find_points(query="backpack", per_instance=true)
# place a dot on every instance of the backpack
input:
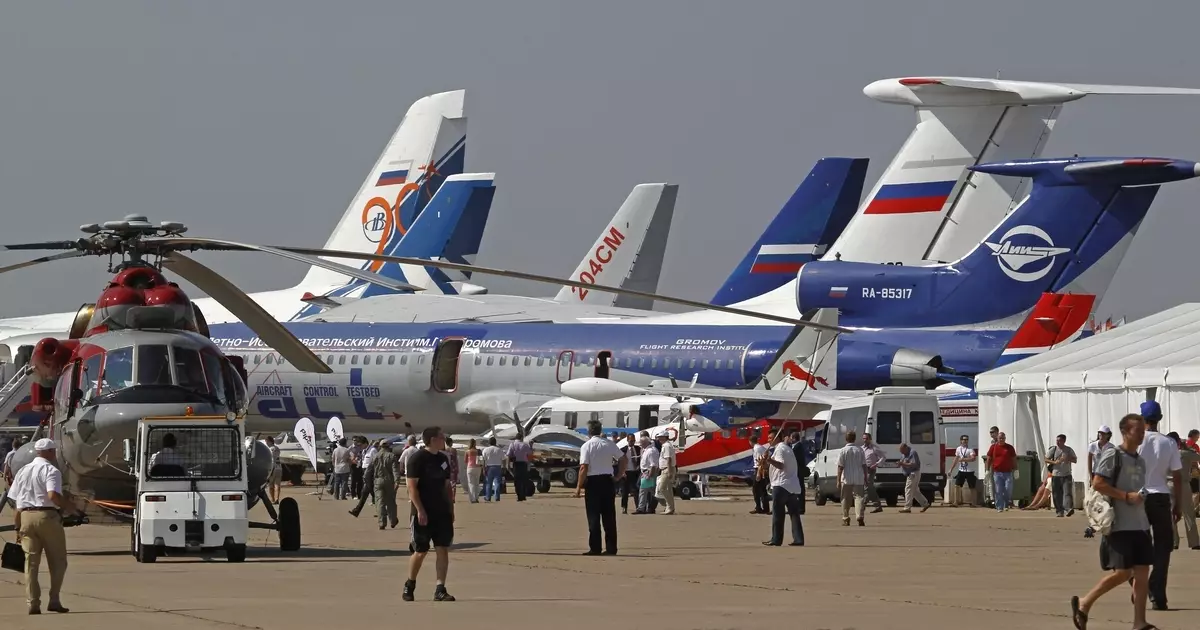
(1099, 508)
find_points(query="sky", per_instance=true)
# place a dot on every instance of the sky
(258, 121)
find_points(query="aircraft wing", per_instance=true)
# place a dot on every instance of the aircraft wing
(738, 396)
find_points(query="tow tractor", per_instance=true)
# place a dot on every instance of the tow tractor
(192, 481)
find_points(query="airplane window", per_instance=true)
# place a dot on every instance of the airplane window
(705, 365)
(329, 359)
(725, 433)
(572, 420)
(541, 361)
(653, 362)
(729, 364)
(118, 370)
(421, 358)
(502, 360)
(90, 374)
(528, 361)
(257, 359)
(354, 359)
(342, 360)
(189, 370)
(489, 360)
(622, 417)
(391, 359)
(692, 364)
(628, 362)
(595, 415)
(478, 359)
(679, 364)
(642, 362)
(379, 359)
(516, 361)
(591, 360)
(404, 359)
(270, 359)
(282, 360)
(153, 366)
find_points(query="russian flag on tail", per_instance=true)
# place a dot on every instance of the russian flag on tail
(393, 177)
(910, 198)
(784, 258)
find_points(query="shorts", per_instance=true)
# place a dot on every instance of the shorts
(439, 532)
(1195, 485)
(276, 475)
(1126, 550)
(965, 477)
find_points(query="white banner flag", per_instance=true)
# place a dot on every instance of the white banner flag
(306, 436)
(333, 430)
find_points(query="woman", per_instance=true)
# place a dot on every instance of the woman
(474, 472)
(1041, 499)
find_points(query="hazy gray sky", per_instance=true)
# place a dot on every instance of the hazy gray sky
(259, 120)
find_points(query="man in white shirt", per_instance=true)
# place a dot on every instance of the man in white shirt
(964, 472)
(38, 495)
(852, 479)
(649, 467)
(493, 470)
(7, 471)
(597, 459)
(410, 447)
(762, 497)
(1095, 450)
(786, 491)
(664, 487)
(342, 465)
(166, 456)
(1161, 455)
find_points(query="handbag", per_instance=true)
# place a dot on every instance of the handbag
(1099, 508)
(13, 558)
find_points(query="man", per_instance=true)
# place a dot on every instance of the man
(410, 447)
(1095, 450)
(762, 497)
(432, 517)
(786, 491)
(384, 476)
(275, 480)
(649, 467)
(632, 457)
(368, 457)
(1126, 551)
(1194, 446)
(342, 465)
(369, 479)
(356, 465)
(518, 455)
(910, 465)
(1190, 460)
(166, 456)
(989, 484)
(852, 479)
(874, 456)
(597, 458)
(1161, 455)
(664, 487)
(1001, 460)
(17, 443)
(493, 470)
(1060, 459)
(38, 495)
(452, 456)
(964, 471)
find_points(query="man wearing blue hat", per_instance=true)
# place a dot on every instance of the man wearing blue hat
(1161, 454)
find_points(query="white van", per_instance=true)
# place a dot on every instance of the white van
(892, 415)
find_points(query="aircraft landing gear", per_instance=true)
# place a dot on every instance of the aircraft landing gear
(286, 521)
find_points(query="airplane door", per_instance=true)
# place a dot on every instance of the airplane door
(445, 364)
(419, 364)
(647, 417)
(566, 364)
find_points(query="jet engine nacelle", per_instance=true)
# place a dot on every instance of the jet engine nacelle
(592, 389)
(867, 365)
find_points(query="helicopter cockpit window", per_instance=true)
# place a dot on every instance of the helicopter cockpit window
(89, 376)
(153, 365)
(118, 370)
(189, 371)
(213, 374)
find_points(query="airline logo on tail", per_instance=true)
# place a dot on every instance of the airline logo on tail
(1013, 258)
(793, 369)
(381, 217)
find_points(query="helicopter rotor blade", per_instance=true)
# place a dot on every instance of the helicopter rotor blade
(16, 247)
(521, 275)
(223, 245)
(254, 316)
(43, 259)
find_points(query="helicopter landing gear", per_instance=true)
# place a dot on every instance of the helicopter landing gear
(286, 521)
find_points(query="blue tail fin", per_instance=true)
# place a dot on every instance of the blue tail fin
(805, 227)
(1077, 209)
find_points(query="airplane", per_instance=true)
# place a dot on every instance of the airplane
(397, 370)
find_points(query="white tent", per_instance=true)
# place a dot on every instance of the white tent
(1074, 389)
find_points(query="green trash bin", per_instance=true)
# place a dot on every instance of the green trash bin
(1026, 479)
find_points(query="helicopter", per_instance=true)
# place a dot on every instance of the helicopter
(142, 349)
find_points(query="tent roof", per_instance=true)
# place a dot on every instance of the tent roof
(1163, 349)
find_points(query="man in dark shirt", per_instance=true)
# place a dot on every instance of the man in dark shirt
(432, 516)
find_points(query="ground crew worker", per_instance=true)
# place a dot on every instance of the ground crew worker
(385, 473)
(37, 492)
(597, 459)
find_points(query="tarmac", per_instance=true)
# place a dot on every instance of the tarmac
(518, 565)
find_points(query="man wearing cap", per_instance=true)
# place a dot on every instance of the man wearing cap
(37, 492)
(1161, 455)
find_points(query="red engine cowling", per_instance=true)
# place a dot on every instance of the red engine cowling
(50, 357)
(140, 297)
